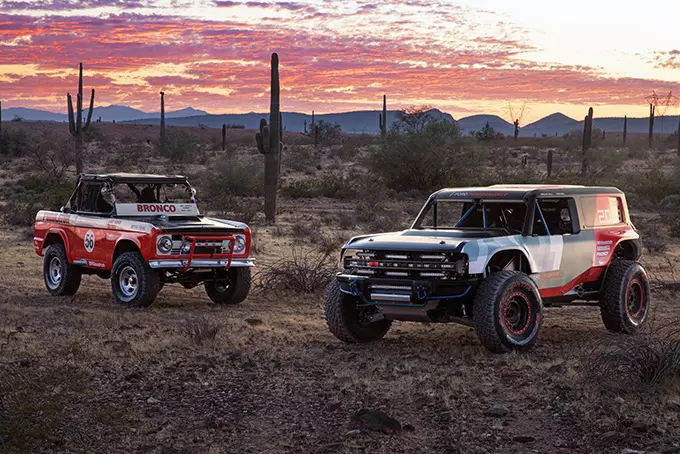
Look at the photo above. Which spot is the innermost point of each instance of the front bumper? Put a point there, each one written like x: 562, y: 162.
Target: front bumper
x: 202, y: 263
x: 382, y: 291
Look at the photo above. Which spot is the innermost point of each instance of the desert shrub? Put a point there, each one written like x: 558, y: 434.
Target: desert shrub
x: 329, y: 185
x: 53, y: 157
x: 230, y: 179
x: 32, y: 194
x: 638, y: 151
x: 306, y: 273
x: 327, y: 131
x: 424, y: 160
x: 16, y: 143
x: 182, y: 146
x: 201, y: 332
x: 299, y: 158
x: 653, y: 186
x: 378, y: 217
x: 648, y: 360
x: 654, y: 238
x: 30, y: 409
x: 674, y: 226
x: 128, y: 157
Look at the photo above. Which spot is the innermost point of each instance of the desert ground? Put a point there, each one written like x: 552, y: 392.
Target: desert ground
x: 82, y: 374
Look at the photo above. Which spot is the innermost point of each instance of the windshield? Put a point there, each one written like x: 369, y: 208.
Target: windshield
x: 446, y: 214
x: 153, y: 193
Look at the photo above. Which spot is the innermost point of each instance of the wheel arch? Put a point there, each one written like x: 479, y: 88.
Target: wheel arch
x: 627, y: 249
x: 57, y: 236
x: 124, y: 245
x: 516, y: 258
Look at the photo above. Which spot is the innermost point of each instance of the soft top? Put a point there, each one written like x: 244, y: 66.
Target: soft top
x: 135, y: 178
x: 520, y: 191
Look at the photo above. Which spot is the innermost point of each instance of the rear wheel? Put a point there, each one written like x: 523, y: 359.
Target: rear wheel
x: 232, y: 288
x: 133, y: 281
x: 625, y: 297
x: 61, y: 278
x: 350, y: 321
x: 507, y: 312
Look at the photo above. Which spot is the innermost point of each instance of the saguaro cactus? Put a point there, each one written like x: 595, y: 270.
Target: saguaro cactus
x: 516, y: 123
x: 382, y: 119
x: 625, y: 129
x: 75, y: 125
x: 163, y: 136
x: 678, y: 133
x: 587, y: 139
x: 1, y: 127
x: 550, y: 162
x: 270, y: 143
x: 224, y: 137
x: 652, y: 109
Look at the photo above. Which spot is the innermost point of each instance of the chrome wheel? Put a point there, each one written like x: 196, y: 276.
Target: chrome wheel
x: 54, y: 273
x: 128, y: 282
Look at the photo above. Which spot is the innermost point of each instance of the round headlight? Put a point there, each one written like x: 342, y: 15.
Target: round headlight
x: 165, y: 244
x: 186, y: 248
x: 240, y: 246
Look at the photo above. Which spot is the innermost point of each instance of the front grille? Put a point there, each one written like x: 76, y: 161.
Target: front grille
x: 205, y: 247
x: 405, y: 265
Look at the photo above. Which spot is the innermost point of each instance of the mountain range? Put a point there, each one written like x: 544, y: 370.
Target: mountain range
x: 364, y: 121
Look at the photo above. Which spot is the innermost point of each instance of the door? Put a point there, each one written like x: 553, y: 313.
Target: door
x: 561, y: 251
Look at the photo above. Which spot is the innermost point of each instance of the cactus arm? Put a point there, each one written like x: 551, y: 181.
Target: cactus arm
x: 89, y: 113
x: 79, y: 101
x: 71, y: 119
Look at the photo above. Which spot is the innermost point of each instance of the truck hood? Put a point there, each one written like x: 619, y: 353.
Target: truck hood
x: 421, y: 240
x: 192, y: 224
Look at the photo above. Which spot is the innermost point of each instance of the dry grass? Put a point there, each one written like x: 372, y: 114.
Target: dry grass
x: 82, y: 374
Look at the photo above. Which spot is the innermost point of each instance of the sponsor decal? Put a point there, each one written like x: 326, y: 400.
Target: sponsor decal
x: 89, y: 241
x: 156, y: 208
x: 95, y: 264
x: 153, y: 209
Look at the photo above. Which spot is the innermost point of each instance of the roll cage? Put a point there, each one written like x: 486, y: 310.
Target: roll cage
x: 533, y: 209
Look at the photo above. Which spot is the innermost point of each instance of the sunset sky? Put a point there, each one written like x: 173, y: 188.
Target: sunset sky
x: 463, y: 57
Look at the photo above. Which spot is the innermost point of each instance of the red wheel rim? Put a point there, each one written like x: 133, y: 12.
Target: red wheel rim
x: 517, y: 313
x: 636, y: 301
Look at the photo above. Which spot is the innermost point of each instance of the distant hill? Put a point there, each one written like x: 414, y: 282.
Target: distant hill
x: 477, y: 122
x: 31, y: 114
x: 363, y: 121
x: 556, y: 123
x: 107, y: 114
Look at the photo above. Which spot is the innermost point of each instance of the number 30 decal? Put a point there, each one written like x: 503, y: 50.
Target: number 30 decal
x: 89, y: 241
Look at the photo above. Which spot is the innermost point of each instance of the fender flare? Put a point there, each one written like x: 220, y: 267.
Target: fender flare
x: 64, y: 238
x: 123, y: 238
x: 521, y: 250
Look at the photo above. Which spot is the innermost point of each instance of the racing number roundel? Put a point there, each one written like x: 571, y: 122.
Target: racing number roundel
x: 89, y: 241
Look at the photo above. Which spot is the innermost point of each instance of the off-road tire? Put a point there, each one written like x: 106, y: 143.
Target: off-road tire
x: 235, y: 292
x: 147, y: 280
x: 501, y: 294
x: 341, y: 318
x: 625, y: 279
x: 67, y: 281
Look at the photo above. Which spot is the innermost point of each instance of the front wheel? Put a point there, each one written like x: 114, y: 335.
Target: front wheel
x: 61, y: 278
x: 230, y: 288
x: 350, y: 321
x: 625, y: 297
x: 133, y: 281
x: 507, y: 312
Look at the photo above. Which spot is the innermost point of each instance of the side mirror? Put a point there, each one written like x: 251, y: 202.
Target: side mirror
x: 62, y: 209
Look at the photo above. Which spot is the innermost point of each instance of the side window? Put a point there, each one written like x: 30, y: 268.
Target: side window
x: 599, y: 211
x: 554, y: 217
x: 91, y: 200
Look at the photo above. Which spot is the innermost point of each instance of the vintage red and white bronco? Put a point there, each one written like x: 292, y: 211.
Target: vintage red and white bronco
x: 142, y: 232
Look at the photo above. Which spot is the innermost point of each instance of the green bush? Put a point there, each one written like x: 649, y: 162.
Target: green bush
x: 32, y: 194
x: 424, y: 159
